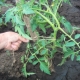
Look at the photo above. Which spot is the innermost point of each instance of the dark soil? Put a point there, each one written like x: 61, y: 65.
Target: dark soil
x: 68, y: 71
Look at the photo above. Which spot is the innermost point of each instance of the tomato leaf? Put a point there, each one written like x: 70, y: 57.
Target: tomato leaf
x: 72, y: 57
x: 43, y: 52
x: 21, y: 33
x: 44, y: 68
x: 69, y: 44
x: 1, y: 21
x: 27, y: 9
x: 68, y: 53
x: 78, y: 58
x: 66, y: 24
x: 34, y: 62
x: 77, y: 36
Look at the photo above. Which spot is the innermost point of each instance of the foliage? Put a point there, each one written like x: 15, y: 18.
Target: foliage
x: 2, y: 4
x: 43, y: 16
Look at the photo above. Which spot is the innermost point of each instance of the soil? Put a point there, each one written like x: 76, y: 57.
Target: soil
x: 68, y: 71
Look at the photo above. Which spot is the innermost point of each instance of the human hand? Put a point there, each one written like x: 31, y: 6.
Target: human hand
x: 11, y: 40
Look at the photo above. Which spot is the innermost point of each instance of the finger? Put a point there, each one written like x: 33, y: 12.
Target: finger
x: 8, y: 47
x: 14, y: 47
x: 23, y: 39
x: 17, y: 43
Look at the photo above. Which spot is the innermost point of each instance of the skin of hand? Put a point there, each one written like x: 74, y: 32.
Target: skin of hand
x: 11, y: 40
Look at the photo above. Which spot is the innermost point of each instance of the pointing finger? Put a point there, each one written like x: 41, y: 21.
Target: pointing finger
x: 23, y: 39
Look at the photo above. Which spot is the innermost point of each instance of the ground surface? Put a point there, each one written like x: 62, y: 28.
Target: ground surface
x: 69, y: 71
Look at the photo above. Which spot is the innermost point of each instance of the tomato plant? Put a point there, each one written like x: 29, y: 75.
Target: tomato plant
x: 41, y: 15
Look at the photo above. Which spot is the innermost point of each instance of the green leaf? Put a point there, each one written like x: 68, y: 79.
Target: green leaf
x: 58, y: 43
x: 42, y: 58
x: 16, y: 28
x: 43, y: 52
x: 62, y: 38
x: 66, y: 24
x: 21, y: 33
x: 55, y: 4
x: 33, y: 24
x: 22, y: 28
x: 22, y: 59
x: 25, y: 73
x: 72, y: 57
x: 44, y: 68
x: 43, y: 43
x: 43, y: 1
x: 21, y: 2
x: 26, y: 36
x: 30, y: 73
x: 76, y: 28
x: 77, y: 36
x: 78, y: 58
x: 9, y: 15
x: 42, y: 27
x: 68, y: 53
x: 1, y: 3
x: 1, y: 21
x: 24, y: 70
x: 35, y: 47
x: 18, y: 20
x: 31, y: 57
x: 34, y: 62
x: 67, y: 1
x: 30, y: 61
x: 69, y: 44
x: 64, y: 49
x: 27, y: 9
x: 53, y: 53
x: 62, y: 62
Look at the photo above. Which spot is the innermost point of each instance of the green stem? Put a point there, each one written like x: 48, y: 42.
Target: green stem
x: 58, y: 28
x: 69, y: 36
x: 52, y: 25
x: 54, y: 16
x: 61, y: 28
x: 35, y: 54
x: 55, y: 35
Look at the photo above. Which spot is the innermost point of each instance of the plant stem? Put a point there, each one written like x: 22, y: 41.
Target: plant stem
x: 52, y: 25
x: 69, y: 36
x: 35, y: 54
x: 61, y: 28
